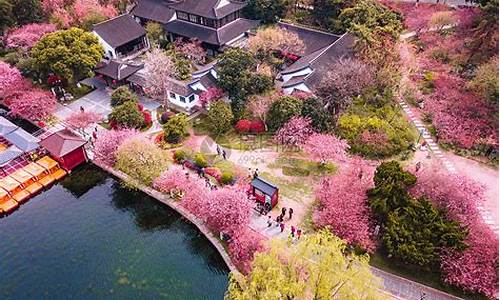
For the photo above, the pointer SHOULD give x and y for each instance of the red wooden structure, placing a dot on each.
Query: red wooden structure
(264, 192)
(66, 147)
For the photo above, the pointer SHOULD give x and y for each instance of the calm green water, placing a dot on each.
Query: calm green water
(88, 238)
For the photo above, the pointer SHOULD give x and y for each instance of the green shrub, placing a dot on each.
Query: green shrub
(127, 115)
(200, 160)
(428, 85)
(226, 177)
(220, 117)
(375, 132)
(283, 110)
(121, 95)
(175, 128)
(180, 155)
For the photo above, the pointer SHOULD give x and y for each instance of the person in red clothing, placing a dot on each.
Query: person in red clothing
(299, 232)
(282, 226)
(292, 230)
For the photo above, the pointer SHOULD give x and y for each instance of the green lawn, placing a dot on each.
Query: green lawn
(297, 167)
(430, 278)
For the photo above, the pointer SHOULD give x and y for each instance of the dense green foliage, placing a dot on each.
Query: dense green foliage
(268, 11)
(367, 18)
(417, 232)
(127, 115)
(485, 81)
(175, 128)
(236, 76)
(413, 230)
(375, 127)
(282, 110)
(141, 159)
(219, 117)
(326, 14)
(121, 95)
(6, 15)
(200, 160)
(321, 120)
(71, 54)
(27, 11)
(154, 32)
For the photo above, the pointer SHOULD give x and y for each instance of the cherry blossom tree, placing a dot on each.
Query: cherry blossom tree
(212, 94)
(259, 105)
(10, 78)
(476, 268)
(107, 143)
(82, 9)
(343, 205)
(82, 119)
(191, 49)
(242, 247)
(271, 39)
(159, 69)
(26, 36)
(33, 104)
(228, 210)
(456, 194)
(323, 147)
(295, 132)
(466, 123)
(347, 78)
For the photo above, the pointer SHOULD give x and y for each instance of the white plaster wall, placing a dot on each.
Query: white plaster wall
(105, 45)
(302, 72)
(300, 87)
(177, 101)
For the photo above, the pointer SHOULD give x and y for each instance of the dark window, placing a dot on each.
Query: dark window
(172, 95)
(191, 98)
(183, 99)
(182, 15)
(210, 22)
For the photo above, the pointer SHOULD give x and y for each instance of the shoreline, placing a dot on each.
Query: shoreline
(180, 210)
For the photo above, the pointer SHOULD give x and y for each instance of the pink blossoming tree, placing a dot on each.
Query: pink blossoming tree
(295, 132)
(243, 246)
(160, 69)
(228, 210)
(343, 204)
(212, 94)
(191, 49)
(476, 268)
(26, 36)
(34, 104)
(107, 144)
(323, 147)
(10, 77)
(465, 123)
(82, 119)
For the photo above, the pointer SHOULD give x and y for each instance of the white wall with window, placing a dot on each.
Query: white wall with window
(186, 102)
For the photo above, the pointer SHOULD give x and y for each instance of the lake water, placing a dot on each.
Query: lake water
(88, 238)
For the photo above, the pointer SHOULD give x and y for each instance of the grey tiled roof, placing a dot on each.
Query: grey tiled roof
(313, 39)
(154, 10)
(207, 8)
(210, 35)
(264, 186)
(320, 62)
(120, 30)
(118, 70)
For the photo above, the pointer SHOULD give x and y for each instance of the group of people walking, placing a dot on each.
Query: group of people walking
(280, 222)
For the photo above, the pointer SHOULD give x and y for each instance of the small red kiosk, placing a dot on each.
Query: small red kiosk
(264, 192)
(66, 147)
